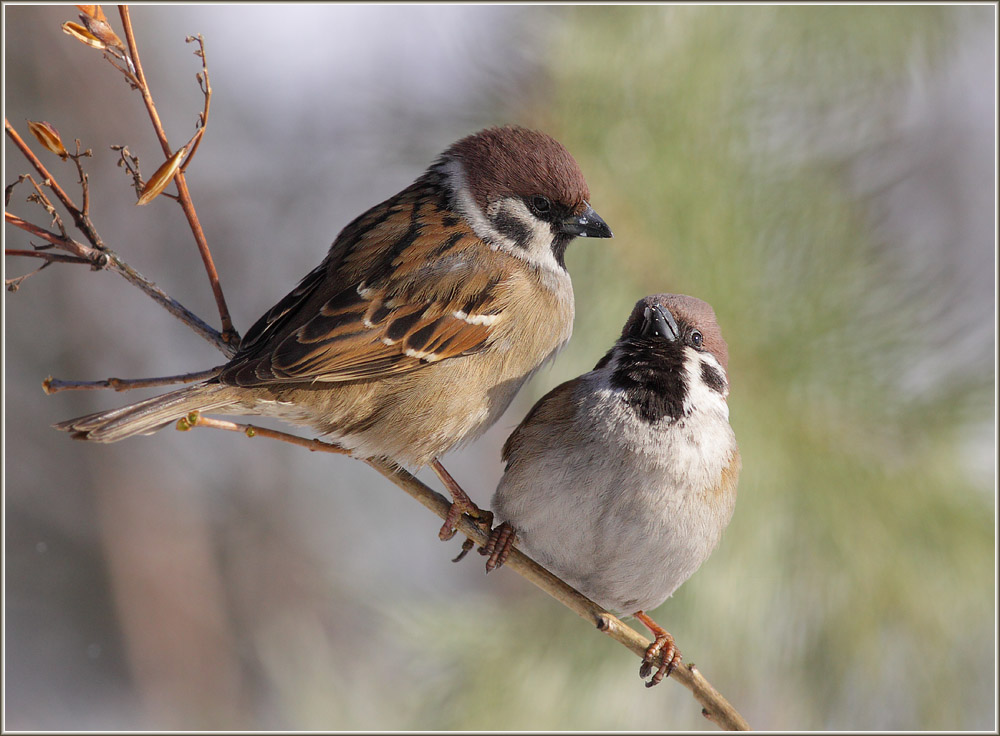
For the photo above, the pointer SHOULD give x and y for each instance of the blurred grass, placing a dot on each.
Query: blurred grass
(854, 589)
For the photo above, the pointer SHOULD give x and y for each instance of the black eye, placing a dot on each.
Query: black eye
(540, 205)
(696, 338)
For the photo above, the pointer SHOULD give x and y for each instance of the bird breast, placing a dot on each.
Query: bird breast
(624, 510)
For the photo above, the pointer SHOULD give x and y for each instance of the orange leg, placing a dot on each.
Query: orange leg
(461, 504)
(662, 642)
(498, 546)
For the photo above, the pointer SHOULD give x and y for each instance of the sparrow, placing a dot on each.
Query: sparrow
(426, 316)
(622, 480)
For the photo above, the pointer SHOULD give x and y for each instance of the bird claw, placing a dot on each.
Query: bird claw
(467, 545)
(498, 546)
(461, 504)
(661, 649)
(671, 657)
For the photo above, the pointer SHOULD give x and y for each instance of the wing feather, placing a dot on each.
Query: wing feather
(403, 286)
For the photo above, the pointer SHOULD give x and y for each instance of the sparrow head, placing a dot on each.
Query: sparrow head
(671, 359)
(522, 192)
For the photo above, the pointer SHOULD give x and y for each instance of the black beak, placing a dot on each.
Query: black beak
(586, 225)
(660, 322)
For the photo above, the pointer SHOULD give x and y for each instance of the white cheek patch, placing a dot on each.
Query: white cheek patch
(537, 248)
(701, 396)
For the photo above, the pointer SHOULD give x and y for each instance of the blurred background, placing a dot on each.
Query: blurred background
(824, 176)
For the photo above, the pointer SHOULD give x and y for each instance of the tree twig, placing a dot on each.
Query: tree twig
(714, 706)
(82, 220)
(54, 385)
(107, 258)
(229, 334)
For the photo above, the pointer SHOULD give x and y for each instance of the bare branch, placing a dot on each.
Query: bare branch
(107, 258)
(229, 334)
(48, 256)
(206, 90)
(81, 220)
(15, 283)
(97, 258)
(54, 385)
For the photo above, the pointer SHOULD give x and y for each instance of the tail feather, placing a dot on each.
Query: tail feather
(146, 417)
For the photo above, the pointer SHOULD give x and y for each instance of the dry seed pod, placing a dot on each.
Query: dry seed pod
(83, 35)
(161, 177)
(48, 136)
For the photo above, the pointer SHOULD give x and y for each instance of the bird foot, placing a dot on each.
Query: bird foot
(498, 546)
(662, 649)
(461, 504)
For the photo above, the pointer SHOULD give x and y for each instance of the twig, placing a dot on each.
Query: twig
(206, 90)
(229, 334)
(40, 198)
(93, 256)
(81, 219)
(715, 707)
(48, 256)
(15, 283)
(107, 258)
(84, 186)
(54, 385)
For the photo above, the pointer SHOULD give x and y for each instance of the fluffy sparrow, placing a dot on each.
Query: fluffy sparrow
(622, 480)
(427, 315)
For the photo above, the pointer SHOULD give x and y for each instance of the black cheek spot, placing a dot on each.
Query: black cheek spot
(513, 228)
(712, 378)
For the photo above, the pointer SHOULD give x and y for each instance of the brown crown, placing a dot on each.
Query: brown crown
(692, 311)
(515, 161)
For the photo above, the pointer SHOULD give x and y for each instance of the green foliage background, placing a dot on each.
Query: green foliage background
(854, 588)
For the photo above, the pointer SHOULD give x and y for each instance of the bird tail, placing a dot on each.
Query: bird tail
(146, 417)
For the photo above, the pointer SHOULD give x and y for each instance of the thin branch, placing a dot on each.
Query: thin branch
(48, 256)
(206, 90)
(93, 256)
(40, 198)
(54, 385)
(15, 283)
(83, 181)
(229, 334)
(714, 706)
(82, 220)
(107, 258)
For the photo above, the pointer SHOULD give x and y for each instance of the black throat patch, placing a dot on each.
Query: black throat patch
(650, 373)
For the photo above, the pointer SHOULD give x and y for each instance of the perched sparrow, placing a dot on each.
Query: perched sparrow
(424, 319)
(622, 480)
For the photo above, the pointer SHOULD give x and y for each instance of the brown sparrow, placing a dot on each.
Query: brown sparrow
(427, 315)
(621, 481)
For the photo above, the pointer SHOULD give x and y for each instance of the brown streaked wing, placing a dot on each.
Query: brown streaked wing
(423, 296)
